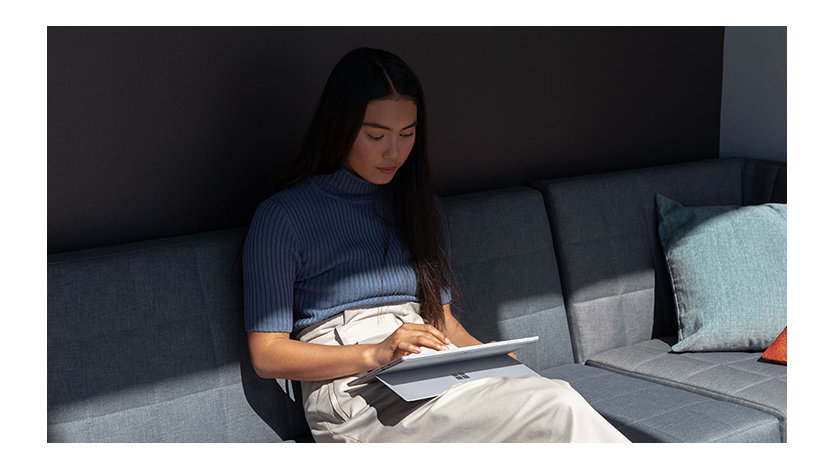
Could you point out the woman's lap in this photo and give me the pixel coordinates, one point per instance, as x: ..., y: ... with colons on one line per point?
x: 495, y: 409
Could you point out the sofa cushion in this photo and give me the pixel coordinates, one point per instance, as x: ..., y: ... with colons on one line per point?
x: 614, y: 278
x: 728, y: 268
x: 145, y: 342
x: 778, y: 350
x: 502, y: 256
x: 646, y: 411
x: 736, y: 377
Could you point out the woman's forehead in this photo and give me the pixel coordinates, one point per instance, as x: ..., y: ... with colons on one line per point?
x: 391, y: 113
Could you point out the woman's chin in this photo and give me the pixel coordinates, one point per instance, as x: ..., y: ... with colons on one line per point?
x: 382, y: 177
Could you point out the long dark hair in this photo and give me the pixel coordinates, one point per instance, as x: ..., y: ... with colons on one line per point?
x: 359, y: 77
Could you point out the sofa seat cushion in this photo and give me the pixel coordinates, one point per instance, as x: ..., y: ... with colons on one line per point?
x: 646, y: 411
x: 204, y: 409
x: 736, y: 377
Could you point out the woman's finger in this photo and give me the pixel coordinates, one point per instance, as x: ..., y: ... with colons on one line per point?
x: 427, y: 328
x: 408, y: 339
x: 421, y: 338
x: 408, y: 347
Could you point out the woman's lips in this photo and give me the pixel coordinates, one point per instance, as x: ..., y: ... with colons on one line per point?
x: 387, y: 170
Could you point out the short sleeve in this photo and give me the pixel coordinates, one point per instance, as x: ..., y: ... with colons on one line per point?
x: 445, y: 239
x: 270, y: 264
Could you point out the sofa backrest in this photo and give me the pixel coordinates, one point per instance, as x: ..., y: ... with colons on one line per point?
x: 145, y: 342
x: 604, y: 227
x: 502, y: 255
x: 764, y: 181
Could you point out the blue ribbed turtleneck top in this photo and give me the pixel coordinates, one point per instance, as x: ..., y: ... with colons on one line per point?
x: 318, y: 248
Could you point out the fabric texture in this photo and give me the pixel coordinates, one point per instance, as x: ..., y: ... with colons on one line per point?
x: 735, y: 377
x: 145, y: 343
x: 778, y: 350
x: 495, y: 409
x: 613, y: 272
x: 647, y: 411
x: 728, y: 266
x: 320, y: 247
x: 506, y: 269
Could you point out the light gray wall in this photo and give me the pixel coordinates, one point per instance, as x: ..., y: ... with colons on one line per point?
x: 754, y: 98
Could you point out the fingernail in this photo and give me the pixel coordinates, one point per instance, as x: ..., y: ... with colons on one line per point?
x: 448, y: 341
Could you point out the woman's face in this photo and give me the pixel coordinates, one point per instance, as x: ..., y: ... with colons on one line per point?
x: 384, y: 140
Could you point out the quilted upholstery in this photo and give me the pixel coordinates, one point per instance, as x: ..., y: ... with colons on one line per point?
x: 646, y: 411
x: 737, y: 377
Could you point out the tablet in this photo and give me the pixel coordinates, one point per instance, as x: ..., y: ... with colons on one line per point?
x: 431, y: 357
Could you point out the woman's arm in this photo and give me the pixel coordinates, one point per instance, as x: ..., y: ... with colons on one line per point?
x: 275, y: 355
x: 456, y: 332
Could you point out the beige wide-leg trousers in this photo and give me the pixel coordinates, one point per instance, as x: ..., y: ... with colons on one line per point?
x: 496, y: 409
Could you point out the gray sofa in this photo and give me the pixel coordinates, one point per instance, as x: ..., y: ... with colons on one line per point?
x: 146, y: 340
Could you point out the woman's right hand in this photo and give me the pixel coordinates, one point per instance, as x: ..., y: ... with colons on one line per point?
x: 407, y: 339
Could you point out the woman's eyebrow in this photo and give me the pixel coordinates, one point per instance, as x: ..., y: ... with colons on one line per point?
x: 380, y: 126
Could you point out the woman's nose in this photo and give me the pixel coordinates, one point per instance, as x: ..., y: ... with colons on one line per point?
x: 392, y: 151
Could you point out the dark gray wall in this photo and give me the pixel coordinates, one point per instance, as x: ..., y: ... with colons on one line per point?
x: 164, y: 131
x: 754, y: 101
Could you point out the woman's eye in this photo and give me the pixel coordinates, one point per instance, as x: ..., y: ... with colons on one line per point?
x: 379, y: 137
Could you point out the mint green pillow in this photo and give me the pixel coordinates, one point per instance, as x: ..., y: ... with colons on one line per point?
x: 728, y: 267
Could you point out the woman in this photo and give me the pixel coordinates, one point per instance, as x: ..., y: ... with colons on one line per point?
x: 346, y: 269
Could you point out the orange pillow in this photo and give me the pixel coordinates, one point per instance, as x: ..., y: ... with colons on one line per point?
x: 778, y: 351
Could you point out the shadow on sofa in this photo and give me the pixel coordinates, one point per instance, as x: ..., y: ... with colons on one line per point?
x: 146, y: 344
